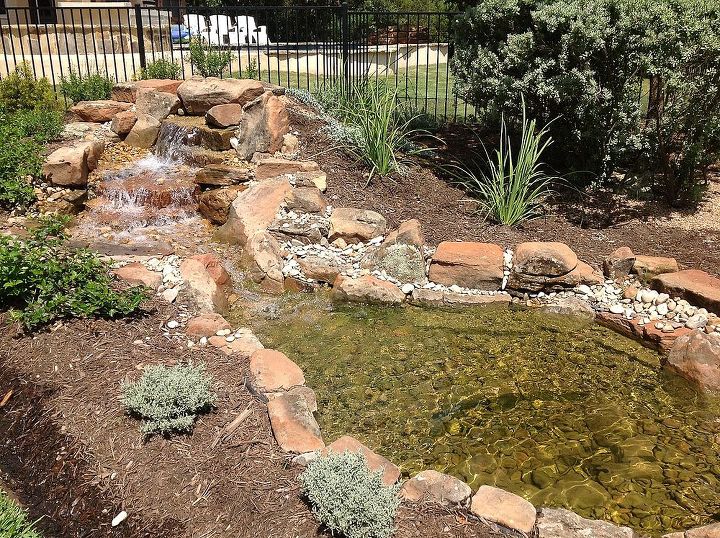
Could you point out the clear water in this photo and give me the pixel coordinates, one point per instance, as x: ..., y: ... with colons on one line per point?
x: 564, y: 413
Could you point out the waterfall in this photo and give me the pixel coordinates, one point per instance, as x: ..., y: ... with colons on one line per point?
x: 173, y: 141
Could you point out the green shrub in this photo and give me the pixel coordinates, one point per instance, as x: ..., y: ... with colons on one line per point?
x: 89, y: 87
x: 162, y: 69
x: 14, y: 520
x: 43, y: 280
x: 20, y: 91
x: 208, y: 61
x: 169, y: 399
x: 252, y: 71
x: 348, y: 498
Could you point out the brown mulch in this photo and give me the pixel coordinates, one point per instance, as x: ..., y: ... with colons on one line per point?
x: 72, y: 456
x: 593, y: 226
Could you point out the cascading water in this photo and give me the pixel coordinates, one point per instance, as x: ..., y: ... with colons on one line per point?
x: 174, y: 140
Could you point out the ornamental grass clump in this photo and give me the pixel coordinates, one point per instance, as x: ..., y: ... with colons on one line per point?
x: 169, y: 398
x: 14, y: 521
x: 348, y: 498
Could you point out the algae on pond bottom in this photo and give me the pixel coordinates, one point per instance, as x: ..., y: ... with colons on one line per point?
x: 562, y: 412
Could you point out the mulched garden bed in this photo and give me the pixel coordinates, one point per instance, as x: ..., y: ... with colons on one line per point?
x: 70, y: 453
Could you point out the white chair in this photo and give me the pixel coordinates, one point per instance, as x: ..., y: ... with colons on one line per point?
x: 256, y: 35
x: 221, y: 28
x: 197, y: 25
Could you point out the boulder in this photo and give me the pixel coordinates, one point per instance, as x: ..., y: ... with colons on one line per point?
x: 246, y: 344
x: 139, y: 275
x: 274, y: 167
x: 293, y: 423
x: 408, y: 233
x: 202, y: 287
x: 436, y: 487
x: 206, y: 325
x: 199, y: 95
x: 503, y: 508
x: 405, y: 263
x: 426, y: 297
x: 99, y: 111
x: 127, y: 91
x: 649, y: 266
x: 697, y: 287
x: 157, y: 104
x: 618, y: 265
x: 253, y: 210
x: 272, y: 371
x: 144, y: 133
x: 221, y: 175
x: 366, y: 289
x: 264, y: 123
x: 224, y: 116
x: 306, y: 200
x: 69, y: 166
x: 214, y: 267
x: 264, y: 261
x: 558, y: 523
x: 123, y: 122
x: 549, y: 265
x: 696, y: 357
x: 321, y: 269
x: 215, y: 203
x: 468, y: 264
x: 375, y: 462
x: 355, y: 225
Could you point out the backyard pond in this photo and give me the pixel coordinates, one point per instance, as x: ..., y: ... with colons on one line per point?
x: 563, y: 412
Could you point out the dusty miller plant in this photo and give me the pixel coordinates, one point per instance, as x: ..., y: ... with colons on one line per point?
x: 348, y: 498
x: 169, y: 399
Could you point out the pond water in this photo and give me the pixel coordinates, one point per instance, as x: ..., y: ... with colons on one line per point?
x: 564, y: 413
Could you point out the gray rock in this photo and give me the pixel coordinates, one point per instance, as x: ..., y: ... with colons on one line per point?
x: 557, y: 523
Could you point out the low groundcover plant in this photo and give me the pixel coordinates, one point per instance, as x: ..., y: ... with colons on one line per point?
x: 348, y: 498
x: 14, y: 521
x: 169, y: 398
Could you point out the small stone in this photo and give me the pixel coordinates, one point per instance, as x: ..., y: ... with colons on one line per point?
x: 122, y: 516
x: 172, y: 324
x: 407, y: 289
x: 617, y: 309
x: 170, y: 294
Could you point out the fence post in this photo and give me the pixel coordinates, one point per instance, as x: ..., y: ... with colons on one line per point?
x: 345, y: 36
x: 140, y: 35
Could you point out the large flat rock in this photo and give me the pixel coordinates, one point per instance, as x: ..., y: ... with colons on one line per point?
x: 198, y: 95
x: 468, y: 264
x: 272, y: 371
x: 366, y: 289
x: 293, y: 423
x: 503, y: 508
x: 554, y: 523
x: 695, y: 286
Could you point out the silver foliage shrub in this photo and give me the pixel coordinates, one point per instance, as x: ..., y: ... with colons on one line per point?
x: 168, y: 399
x: 348, y: 498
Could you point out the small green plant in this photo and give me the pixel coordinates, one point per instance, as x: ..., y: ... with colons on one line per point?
x: 513, y: 189
x: 168, y: 399
x: 43, y: 280
x: 160, y: 69
x: 252, y: 71
x: 14, y: 520
x: 89, y: 87
x: 20, y: 91
x: 208, y: 61
x: 348, y: 498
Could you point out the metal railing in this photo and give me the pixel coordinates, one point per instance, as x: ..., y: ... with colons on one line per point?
x: 302, y: 47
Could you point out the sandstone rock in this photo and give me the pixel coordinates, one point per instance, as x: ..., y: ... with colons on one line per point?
x: 547, y: 259
x: 468, y: 264
x: 206, y: 325
x: 264, y: 262
x: 649, y: 266
x: 321, y: 269
x: 306, y: 200
x: 708, y: 531
x: 425, y: 297
x: 69, y: 166
x: 253, y: 210
x: 123, y: 92
x: 224, y: 116
x: 215, y: 203
x: 98, y: 111
x: 570, y: 306
x: 274, y: 167
x: 375, y: 462
x: 504, y: 508
x: 355, y: 225
x: 137, y: 274
x: 312, y: 178
x: 696, y: 357
x: 436, y: 487
x: 648, y: 335
x: 246, y: 345
x: 144, y: 133
x: 123, y: 122
x: 557, y: 523
x: 264, y: 123
x: 293, y: 424
x: 366, y: 289
x: 619, y: 264
x: 199, y: 95
x: 202, y: 287
x: 404, y: 262
x: 582, y: 273
x: 221, y: 175
x: 695, y: 286
x: 408, y: 233
x: 157, y: 104
x: 290, y: 144
x: 214, y: 267
x: 272, y: 371
x: 127, y: 91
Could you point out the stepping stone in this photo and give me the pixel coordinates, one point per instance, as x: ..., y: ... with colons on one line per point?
x: 697, y: 287
x: 436, y: 487
x: 375, y: 462
x: 503, y: 508
x: 272, y: 371
x: 293, y: 423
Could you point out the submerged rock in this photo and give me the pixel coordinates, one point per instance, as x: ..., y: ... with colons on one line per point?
x: 696, y: 356
x: 436, y: 487
x: 557, y: 523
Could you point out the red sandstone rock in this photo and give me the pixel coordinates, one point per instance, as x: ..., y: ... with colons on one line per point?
x: 696, y: 356
x: 321, y: 269
x: 647, y: 334
x: 375, y: 462
x: 558, y: 523
x: 504, y: 508
x: 214, y: 267
x: 199, y: 95
x: 273, y: 167
x: 619, y: 264
x: 355, y: 225
x: 697, y: 287
x: 214, y: 204
x: 272, y: 371
x: 547, y: 259
x: 224, y: 115
x: 221, y: 175
x: 424, y: 297
x: 202, y: 287
x: 264, y: 261
x: 98, y: 111
x: 144, y: 132
x: 264, y: 123
x: 136, y: 273
x: 69, y: 166
x: 306, y: 200
x: 468, y: 264
x: 408, y: 233
x: 206, y: 325
x: 157, y: 104
x: 127, y: 91
x: 293, y: 424
x: 123, y: 122
x: 366, y: 289
x: 436, y: 487
x: 648, y: 266
x: 708, y: 531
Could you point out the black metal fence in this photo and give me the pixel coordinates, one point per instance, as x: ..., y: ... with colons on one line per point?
x: 303, y: 47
